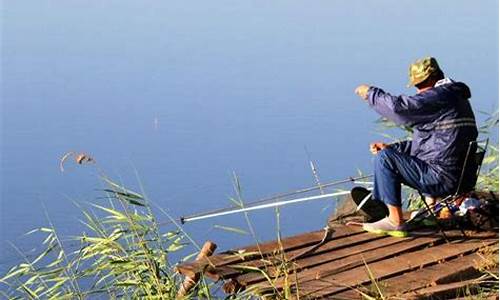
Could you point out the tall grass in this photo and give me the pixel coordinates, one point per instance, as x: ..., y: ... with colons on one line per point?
x: 276, y: 265
x: 121, y: 254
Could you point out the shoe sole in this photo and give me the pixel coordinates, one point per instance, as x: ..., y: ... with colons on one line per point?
x: 393, y: 233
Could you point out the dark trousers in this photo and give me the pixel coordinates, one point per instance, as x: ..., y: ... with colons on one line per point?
x: 393, y: 168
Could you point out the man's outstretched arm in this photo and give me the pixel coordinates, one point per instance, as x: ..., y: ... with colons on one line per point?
x: 402, y: 110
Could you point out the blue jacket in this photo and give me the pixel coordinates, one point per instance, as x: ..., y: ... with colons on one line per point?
x: 442, y: 120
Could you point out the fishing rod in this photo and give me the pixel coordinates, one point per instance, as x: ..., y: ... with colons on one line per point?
x: 255, y: 207
x: 272, y: 201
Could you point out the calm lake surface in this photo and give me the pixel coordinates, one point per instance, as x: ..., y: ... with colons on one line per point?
x: 181, y: 95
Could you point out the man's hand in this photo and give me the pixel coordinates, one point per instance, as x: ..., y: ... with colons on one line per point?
x: 376, y: 147
x: 362, y: 91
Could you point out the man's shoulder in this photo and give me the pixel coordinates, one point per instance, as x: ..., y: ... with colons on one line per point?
x: 450, y: 88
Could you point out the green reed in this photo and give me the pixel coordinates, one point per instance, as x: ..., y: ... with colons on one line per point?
x: 121, y: 254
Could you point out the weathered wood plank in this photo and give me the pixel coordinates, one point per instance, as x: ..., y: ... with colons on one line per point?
x: 354, y: 261
x: 440, y: 291
x: 411, y: 244
x: 343, y: 246
x: 487, y: 296
x: 362, y: 245
x: 256, y: 252
x: 329, y: 252
x: 330, y: 270
x: 458, y: 269
x: 389, y: 267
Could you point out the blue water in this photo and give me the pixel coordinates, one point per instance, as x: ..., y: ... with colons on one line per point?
x: 185, y: 94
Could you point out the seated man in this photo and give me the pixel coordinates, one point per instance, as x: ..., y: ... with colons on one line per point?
x: 443, y: 126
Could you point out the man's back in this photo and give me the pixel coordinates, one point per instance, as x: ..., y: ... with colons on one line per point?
x: 442, y: 120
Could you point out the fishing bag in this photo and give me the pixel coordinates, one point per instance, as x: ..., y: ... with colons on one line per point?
x: 485, y: 216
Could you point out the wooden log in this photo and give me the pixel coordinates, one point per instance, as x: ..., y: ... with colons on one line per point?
x: 190, y: 281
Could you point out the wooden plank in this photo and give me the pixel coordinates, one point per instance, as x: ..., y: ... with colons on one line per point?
x: 366, y: 243
x: 253, y: 252
x: 326, y: 257
x: 233, y: 256
x: 458, y: 269
x: 412, y: 244
x: 487, y: 296
x: 349, y: 295
x: 343, y: 244
x: 390, y: 267
x: 354, y: 261
x: 454, y: 289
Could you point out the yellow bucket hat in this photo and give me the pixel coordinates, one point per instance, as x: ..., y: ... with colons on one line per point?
x: 421, y: 69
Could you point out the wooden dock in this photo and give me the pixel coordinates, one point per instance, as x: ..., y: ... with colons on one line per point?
x: 345, y: 262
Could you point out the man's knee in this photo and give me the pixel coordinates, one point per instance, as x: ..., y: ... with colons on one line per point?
x: 385, y: 157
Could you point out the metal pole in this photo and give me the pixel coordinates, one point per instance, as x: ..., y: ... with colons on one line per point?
x: 267, y: 205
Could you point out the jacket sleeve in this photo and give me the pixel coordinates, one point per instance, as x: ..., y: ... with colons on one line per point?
x: 405, y: 110
x: 403, y: 146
